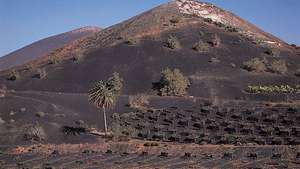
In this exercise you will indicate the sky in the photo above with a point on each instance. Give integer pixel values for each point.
(25, 21)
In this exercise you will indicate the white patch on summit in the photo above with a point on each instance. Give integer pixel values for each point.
(201, 9)
(209, 11)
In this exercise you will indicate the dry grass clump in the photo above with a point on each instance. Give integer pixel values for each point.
(41, 73)
(201, 47)
(263, 65)
(138, 101)
(255, 65)
(215, 41)
(35, 133)
(278, 66)
(40, 114)
(172, 42)
(13, 75)
(131, 41)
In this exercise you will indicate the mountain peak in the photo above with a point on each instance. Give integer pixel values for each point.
(218, 15)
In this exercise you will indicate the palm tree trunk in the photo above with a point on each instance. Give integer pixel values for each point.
(104, 117)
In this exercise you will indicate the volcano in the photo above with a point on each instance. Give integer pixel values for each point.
(214, 73)
(242, 102)
(44, 47)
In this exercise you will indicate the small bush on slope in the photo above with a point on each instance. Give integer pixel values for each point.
(131, 41)
(215, 41)
(173, 83)
(255, 65)
(201, 47)
(13, 75)
(278, 66)
(42, 74)
(172, 42)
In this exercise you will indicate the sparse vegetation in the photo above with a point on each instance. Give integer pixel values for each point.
(175, 20)
(138, 101)
(272, 52)
(13, 75)
(54, 59)
(263, 65)
(255, 65)
(269, 89)
(35, 133)
(172, 42)
(151, 144)
(40, 114)
(215, 41)
(208, 20)
(41, 73)
(104, 94)
(201, 47)
(79, 56)
(69, 130)
(278, 66)
(173, 83)
(201, 33)
(231, 29)
(131, 41)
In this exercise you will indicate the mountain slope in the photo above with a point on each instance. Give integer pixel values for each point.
(43, 47)
(137, 49)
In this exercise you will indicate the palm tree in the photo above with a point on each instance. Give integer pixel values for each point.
(103, 97)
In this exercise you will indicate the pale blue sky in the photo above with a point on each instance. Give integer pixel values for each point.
(25, 21)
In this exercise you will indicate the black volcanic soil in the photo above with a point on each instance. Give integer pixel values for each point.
(140, 66)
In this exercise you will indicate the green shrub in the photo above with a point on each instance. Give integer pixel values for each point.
(172, 42)
(278, 66)
(115, 83)
(231, 139)
(173, 83)
(255, 65)
(269, 89)
(201, 47)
